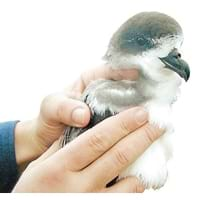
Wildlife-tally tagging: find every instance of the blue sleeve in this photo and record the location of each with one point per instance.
(8, 165)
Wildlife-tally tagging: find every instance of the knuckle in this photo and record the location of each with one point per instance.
(49, 98)
(60, 109)
(45, 101)
(46, 104)
(119, 75)
(124, 126)
(151, 133)
(121, 157)
(97, 143)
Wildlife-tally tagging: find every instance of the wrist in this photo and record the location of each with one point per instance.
(26, 148)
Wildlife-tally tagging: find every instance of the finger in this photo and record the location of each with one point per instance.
(129, 184)
(96, 141)
(125, 152)
(61, 109)
(104, 72)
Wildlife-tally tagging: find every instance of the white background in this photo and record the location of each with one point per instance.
(44, 45)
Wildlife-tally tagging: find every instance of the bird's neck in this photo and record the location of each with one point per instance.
(163, 92)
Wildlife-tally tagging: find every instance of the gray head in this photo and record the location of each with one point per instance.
(150, 40)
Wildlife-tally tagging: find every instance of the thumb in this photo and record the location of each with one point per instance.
(61, 109)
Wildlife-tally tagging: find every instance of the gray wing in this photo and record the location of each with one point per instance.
(105, 98)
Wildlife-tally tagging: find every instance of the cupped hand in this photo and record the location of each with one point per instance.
(91, 161)
(34, 137)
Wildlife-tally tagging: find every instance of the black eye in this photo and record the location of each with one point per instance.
(141, 41)
(177, 56)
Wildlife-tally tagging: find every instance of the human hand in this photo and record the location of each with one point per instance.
(94, 158)
(34, 137)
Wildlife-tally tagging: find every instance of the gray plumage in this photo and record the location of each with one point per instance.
(141, 32)
(112, 103)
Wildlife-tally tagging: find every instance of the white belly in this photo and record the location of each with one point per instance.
(151, 166)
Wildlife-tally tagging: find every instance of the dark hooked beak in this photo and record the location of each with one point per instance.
(174, 62)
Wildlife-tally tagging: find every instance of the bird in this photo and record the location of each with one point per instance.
(149, 42)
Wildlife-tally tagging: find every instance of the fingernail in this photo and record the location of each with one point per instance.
(78, 115)
(141, 116)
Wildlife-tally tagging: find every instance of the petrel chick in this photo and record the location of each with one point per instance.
(150, 43)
